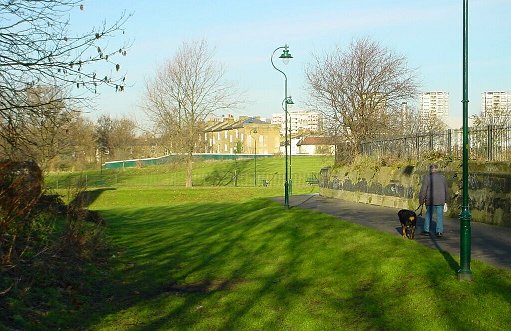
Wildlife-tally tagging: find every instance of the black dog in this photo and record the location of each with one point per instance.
(408, 219)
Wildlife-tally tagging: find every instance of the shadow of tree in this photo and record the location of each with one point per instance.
(255, 265)
(86, 198)
(226, 176)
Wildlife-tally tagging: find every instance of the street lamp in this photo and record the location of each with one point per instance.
(289, 101)
(285, 56)
(255, 156)
(465, 232)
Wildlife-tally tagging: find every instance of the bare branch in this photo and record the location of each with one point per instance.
(188, 89)
(360, 91)
(37, 51)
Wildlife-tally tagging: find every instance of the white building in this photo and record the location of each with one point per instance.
(434, 104)
(298, 121)
(496, 107)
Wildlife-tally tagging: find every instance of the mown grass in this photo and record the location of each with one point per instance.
(241, 172)
(229, 258)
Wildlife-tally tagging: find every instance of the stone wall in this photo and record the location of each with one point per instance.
(397, 186)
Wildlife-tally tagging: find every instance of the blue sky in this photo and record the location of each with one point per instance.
(245, 33)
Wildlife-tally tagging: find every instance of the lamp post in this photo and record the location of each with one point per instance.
(255, 156)
(290, 151)
(285, 56)
(289, 101)
(465, 232)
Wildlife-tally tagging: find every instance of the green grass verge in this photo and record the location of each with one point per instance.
(206, 173)
(228, 258)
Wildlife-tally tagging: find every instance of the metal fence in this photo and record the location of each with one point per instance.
(492, 143)
(298, 179)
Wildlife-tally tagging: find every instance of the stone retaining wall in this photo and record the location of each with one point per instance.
(398, 187)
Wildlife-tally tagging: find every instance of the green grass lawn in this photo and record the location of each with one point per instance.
(230, 259)
(242, 172)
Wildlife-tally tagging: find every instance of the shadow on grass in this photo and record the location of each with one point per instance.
(86, 198)
(226, 177)
(254, 265)
(206, 255)
(451, 262)
(447, 257)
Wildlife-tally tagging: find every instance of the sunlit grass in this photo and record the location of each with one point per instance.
(243, 173)
(206, 259)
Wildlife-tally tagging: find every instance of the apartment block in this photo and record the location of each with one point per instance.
(298, 122)
(496, 106)
(434, 104)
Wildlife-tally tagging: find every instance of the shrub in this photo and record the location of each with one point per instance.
(20, 190)
(46, 247)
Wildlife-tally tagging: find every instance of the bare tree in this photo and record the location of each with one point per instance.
(498, 116)
(116, 137)
(432, 124)
(104, 127)
(124, 137)
(81, 149)
(38, 51)
(491, 129)
(185, 91)
(44, 127)
(360, 91)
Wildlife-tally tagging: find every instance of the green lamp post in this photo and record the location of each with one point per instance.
(285, 56)
(255, 156)
(465, 232)
(289, 101)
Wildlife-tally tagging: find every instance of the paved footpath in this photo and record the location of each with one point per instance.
(490, 243)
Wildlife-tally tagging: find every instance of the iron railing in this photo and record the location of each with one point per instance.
(492, 143)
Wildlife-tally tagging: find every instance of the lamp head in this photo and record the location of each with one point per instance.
(285, 56)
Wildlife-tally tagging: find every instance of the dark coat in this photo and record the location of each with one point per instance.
(433, 189)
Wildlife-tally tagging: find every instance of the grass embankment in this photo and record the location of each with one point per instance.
(242, 172)
(227, 258)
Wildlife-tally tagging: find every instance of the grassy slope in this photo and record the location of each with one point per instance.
(205, 173)
(226, 258)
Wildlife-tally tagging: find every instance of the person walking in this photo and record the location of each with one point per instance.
(433, 194)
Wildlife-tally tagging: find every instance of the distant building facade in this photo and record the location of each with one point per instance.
(248, 135)
(299, 122)
(434, 104)
(317, 145)
(496, 107)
